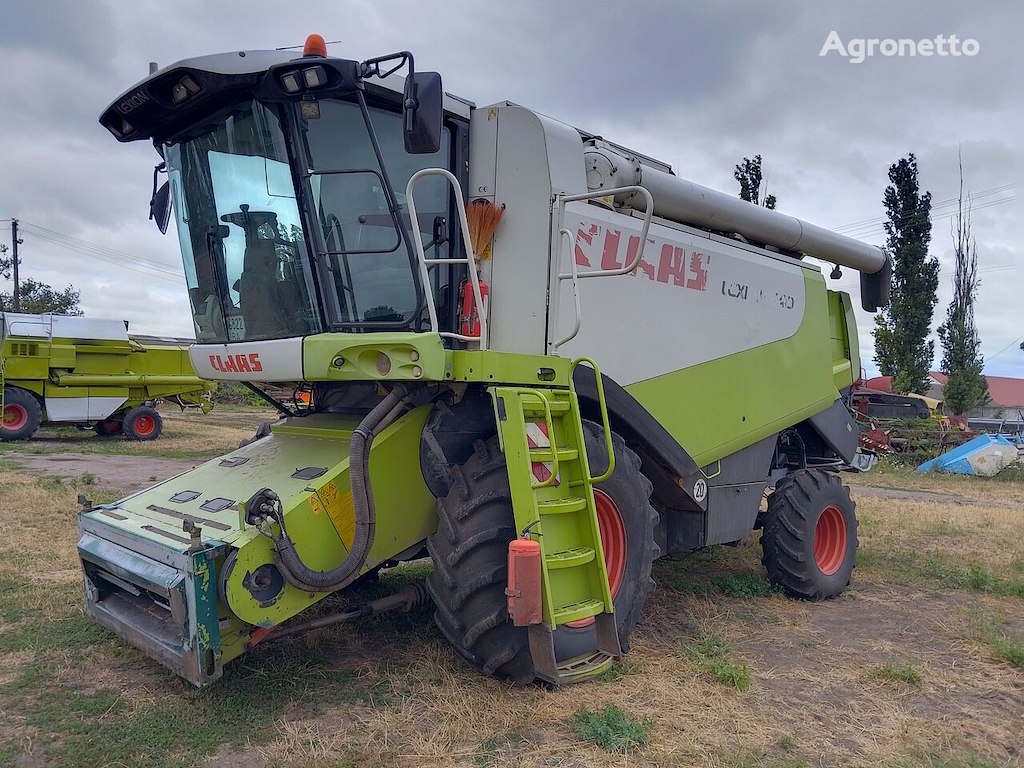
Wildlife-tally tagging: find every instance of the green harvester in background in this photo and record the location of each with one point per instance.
(90, 373)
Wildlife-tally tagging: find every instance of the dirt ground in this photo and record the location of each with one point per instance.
(122, 474)
(919, 664)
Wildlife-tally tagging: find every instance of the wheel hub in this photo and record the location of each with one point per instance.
(144, 425)
(15, 416)
(830, 540)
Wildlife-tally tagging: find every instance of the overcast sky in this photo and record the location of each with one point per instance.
(698, 85)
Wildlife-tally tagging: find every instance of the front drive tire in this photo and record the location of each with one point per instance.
(143, 423)
(809, 541)
(470, 554)
(21, 415)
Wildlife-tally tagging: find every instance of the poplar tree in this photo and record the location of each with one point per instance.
(753, 187)
(902, 347)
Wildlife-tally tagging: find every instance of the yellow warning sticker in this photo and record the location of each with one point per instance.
(339, 508)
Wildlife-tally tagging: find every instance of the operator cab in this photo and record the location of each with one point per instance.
(288, 181)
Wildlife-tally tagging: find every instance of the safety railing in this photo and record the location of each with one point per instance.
(567, 235)
(470, 261)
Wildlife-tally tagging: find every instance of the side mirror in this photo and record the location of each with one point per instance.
(424, 109)
(160, 207)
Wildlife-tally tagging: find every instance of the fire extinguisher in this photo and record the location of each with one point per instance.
(469, 319)
(524, 590)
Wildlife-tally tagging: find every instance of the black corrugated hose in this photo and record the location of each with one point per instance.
(296, 572)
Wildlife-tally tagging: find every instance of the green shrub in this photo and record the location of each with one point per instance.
(612, 729)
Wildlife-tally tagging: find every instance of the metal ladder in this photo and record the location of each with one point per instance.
(541, 434)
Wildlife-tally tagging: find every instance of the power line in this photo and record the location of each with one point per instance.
(880, 230)
(120, 259)
(94, 247)
(997, 354)
(141, 269)
(880, 227)
(942, 203)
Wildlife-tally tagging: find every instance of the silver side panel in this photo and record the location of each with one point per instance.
(63, 327)
(81, 408)
(534, 157)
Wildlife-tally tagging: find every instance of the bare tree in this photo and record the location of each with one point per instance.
(961, 357)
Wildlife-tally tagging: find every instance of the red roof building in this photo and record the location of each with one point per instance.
(1006, 394)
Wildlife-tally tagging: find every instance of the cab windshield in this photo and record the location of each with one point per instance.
(247, 248)
(245, 256)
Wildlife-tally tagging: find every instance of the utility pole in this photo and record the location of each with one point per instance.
(16, 242)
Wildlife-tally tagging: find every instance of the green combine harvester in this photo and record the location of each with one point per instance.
(535, 356)
(90, 373)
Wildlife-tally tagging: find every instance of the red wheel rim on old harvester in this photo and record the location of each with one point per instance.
(613, 542)
(15, 417)
(145, 425)
(830, 540)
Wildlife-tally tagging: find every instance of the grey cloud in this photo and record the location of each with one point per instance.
(696, 84)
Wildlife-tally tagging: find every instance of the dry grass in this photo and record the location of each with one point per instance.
(389, 692)
(186, 435)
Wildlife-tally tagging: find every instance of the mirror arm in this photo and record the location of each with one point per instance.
(157, 170)
(372, 66)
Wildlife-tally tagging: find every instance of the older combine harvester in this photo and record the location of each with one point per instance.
(88, 372)
(320, 208)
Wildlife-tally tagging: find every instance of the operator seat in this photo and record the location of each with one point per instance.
(258, 291)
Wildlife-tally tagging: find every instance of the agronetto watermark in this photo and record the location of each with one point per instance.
(858, 49)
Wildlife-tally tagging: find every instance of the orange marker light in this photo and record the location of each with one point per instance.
(315, 46)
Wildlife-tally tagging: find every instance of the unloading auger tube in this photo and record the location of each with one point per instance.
(265, 505)
(689, 203)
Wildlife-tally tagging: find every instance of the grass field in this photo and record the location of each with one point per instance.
(919, 664)
(186, 435)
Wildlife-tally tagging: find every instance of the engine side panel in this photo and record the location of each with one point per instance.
(721, 406)
(690, 300)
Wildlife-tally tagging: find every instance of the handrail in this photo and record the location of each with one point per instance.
(469, 261)
(603, 407)
(648, 213)
(575, 288)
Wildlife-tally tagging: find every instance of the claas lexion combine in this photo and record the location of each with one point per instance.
(537, 357)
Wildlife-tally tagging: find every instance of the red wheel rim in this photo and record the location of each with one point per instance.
(145, 425)
(830, 540)
(613, 542)
(15, 416)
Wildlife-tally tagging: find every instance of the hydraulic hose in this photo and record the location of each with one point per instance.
(296, 572)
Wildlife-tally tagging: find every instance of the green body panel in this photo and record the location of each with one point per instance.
(66, 368)
(318, 512)
(490, 367)
(387, 357)
(845, 343)
(719, 407)
(373, 356)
